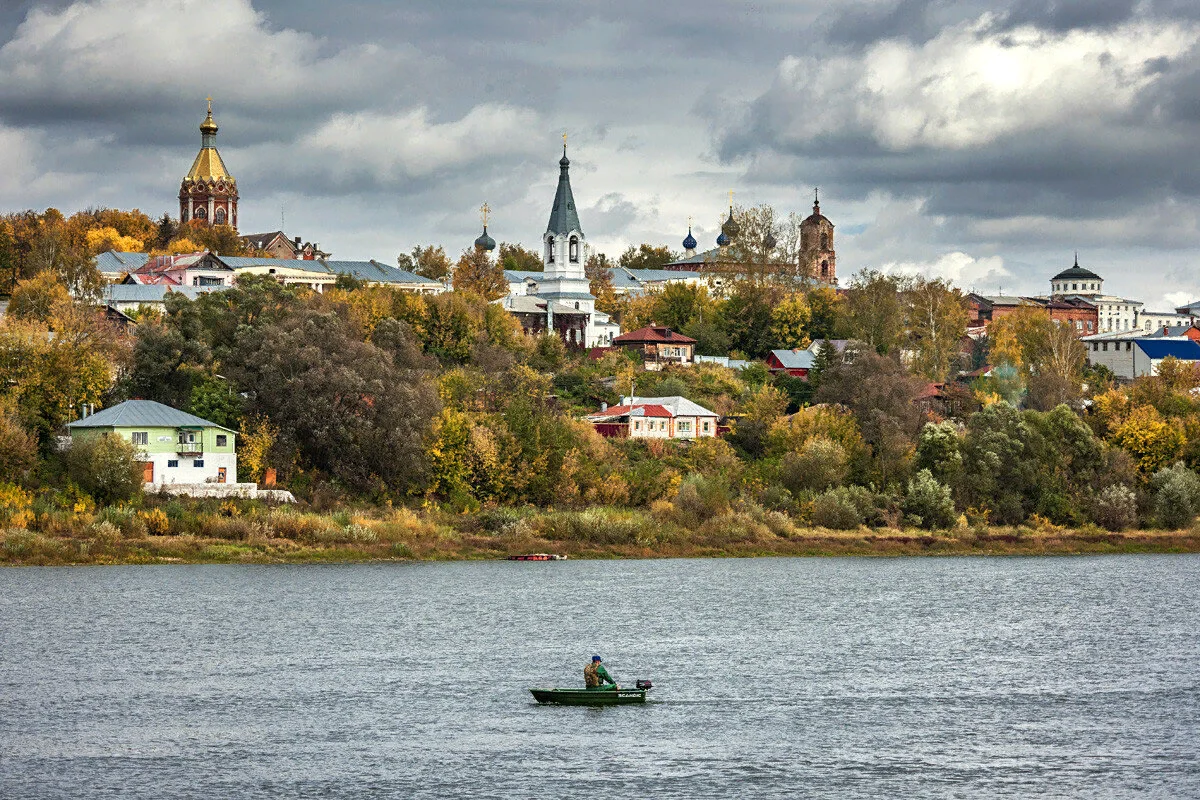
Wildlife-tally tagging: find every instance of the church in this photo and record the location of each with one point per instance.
(560, 298)
(208, 192)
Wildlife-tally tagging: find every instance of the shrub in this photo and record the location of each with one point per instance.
(16, 506)
(837, 509)
(156, 521)
(1114, 508)
(700, 499)
(105, 467)
(929, 502)
(820, 465)
(1177, 497)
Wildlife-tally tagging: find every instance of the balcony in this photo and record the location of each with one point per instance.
(190, 443)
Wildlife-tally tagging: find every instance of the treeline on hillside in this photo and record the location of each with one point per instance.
(375, 394)
(32, 243)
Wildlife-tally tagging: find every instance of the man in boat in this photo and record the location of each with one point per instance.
(595, 676)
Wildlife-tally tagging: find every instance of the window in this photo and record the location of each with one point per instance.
(173, 462)
(201, 213)
(1074, 286)
(576, 305)
(1095, 347)
(706, 426)
(824, 241)
(219, 217)
(637, 426)
(222, 440)
(198, 463)
(550, 250)
(1128, 346)
(141, 437)
(1106, 347)
(573, 253)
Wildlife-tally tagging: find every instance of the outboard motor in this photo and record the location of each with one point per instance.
(644, 684)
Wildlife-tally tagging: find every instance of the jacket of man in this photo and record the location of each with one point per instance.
(594, 674)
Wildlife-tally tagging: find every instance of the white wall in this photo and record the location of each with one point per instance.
(186, 472)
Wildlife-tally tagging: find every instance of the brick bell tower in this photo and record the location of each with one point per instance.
(818, 259)
(208, 192)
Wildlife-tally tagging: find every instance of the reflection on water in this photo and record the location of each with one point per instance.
(773, 678)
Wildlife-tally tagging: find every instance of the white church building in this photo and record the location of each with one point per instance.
(560, 298)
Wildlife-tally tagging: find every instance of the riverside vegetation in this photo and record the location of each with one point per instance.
(432, 427)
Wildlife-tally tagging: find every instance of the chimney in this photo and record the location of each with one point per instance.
(603, 406)
(297, 241)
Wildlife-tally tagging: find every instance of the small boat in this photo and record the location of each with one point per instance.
(538, 557)
(593, 697)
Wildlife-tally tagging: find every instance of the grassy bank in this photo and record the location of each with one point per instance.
(179, 531)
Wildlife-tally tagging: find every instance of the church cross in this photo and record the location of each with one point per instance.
(484, 210)
(209, 98)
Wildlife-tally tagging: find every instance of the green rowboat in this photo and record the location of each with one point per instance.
(589, 697)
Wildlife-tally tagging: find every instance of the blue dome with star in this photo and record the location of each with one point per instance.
(689, 243)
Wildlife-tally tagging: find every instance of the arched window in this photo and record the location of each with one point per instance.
(219, 217)
(824, 269)
(824, 241)
(550, 250)
(201, 213)
(183, 215)
(576, 305)
(574, 250)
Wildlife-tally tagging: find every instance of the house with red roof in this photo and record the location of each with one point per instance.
(655, 418)
(658, 345)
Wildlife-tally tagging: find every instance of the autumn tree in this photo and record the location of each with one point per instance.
(477, 272)
(826, 308)
(598, 271)
(790, 320)
(676, 305)
(936, 322)
(105, 466)
(38, 298)
(220, 239)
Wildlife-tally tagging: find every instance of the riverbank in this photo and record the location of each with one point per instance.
(195, 533)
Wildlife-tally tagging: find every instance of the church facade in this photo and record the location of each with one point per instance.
(208, 193)
(561, 300)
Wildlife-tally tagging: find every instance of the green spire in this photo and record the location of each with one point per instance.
(563, 216)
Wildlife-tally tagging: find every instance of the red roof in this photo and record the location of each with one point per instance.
(648, 410)
(653, 333)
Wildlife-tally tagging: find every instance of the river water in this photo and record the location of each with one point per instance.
(841, 678)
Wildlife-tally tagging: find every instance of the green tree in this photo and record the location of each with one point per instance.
(428, 261)
(106, 467)
(937, 322)
(515, 257)
(646, 256)
(39, 298)
(676, 305)
(875, 311)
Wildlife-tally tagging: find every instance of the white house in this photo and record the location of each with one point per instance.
(655, 418)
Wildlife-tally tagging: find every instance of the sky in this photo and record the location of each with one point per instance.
(984, 142)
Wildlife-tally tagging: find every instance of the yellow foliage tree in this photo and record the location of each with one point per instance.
(101, 240)
(254, 446)
(789, 322)
(181, 246)
(39, 298)
(16, 506)
(1152, 441)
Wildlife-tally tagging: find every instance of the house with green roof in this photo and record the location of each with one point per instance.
(175, 447)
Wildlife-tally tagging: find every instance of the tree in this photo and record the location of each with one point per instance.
(599, 273)
(676, 305)
(745, 317)
(342, 405)
(827, 308)
(476, 272)
(789, 322)
(428, 261)
(928, 502)
(101, 240)
(38, 298)
(515, 257)
(1151, 440)
(937, 322)
(875, 311)
(1177, 496)
(18, 447)
(105, 466)
(646, 256)
(220, 239)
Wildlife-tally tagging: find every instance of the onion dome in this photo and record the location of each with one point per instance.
(722, 240)
(485, 242)
(730, 228)
(769, 241)
(689, 242)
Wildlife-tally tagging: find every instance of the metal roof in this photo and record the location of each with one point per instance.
(679, 406)
(1183, 349)
(563, 216)
(114, 263)
(152, 292)
(795, 359)
(143, 414)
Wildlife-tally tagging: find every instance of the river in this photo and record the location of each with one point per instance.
(841, 678)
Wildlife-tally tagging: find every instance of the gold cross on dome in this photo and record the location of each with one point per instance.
(564, 140)
(731, 198)
(209, 98)
(484, 210)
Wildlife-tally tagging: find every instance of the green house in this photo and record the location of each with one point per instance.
(176, 447)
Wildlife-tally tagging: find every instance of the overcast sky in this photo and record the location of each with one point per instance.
(980, 141)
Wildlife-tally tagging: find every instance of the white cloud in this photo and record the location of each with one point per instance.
(971, 85)
(961, 269)
(130, 51)
(392, 148)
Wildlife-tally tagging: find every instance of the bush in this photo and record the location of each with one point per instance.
(1114, 508)
(929, 502)
(837, 509)
(820, 465)
(16, 506)
(106, 467)
(1177, 496)
(700, 499)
